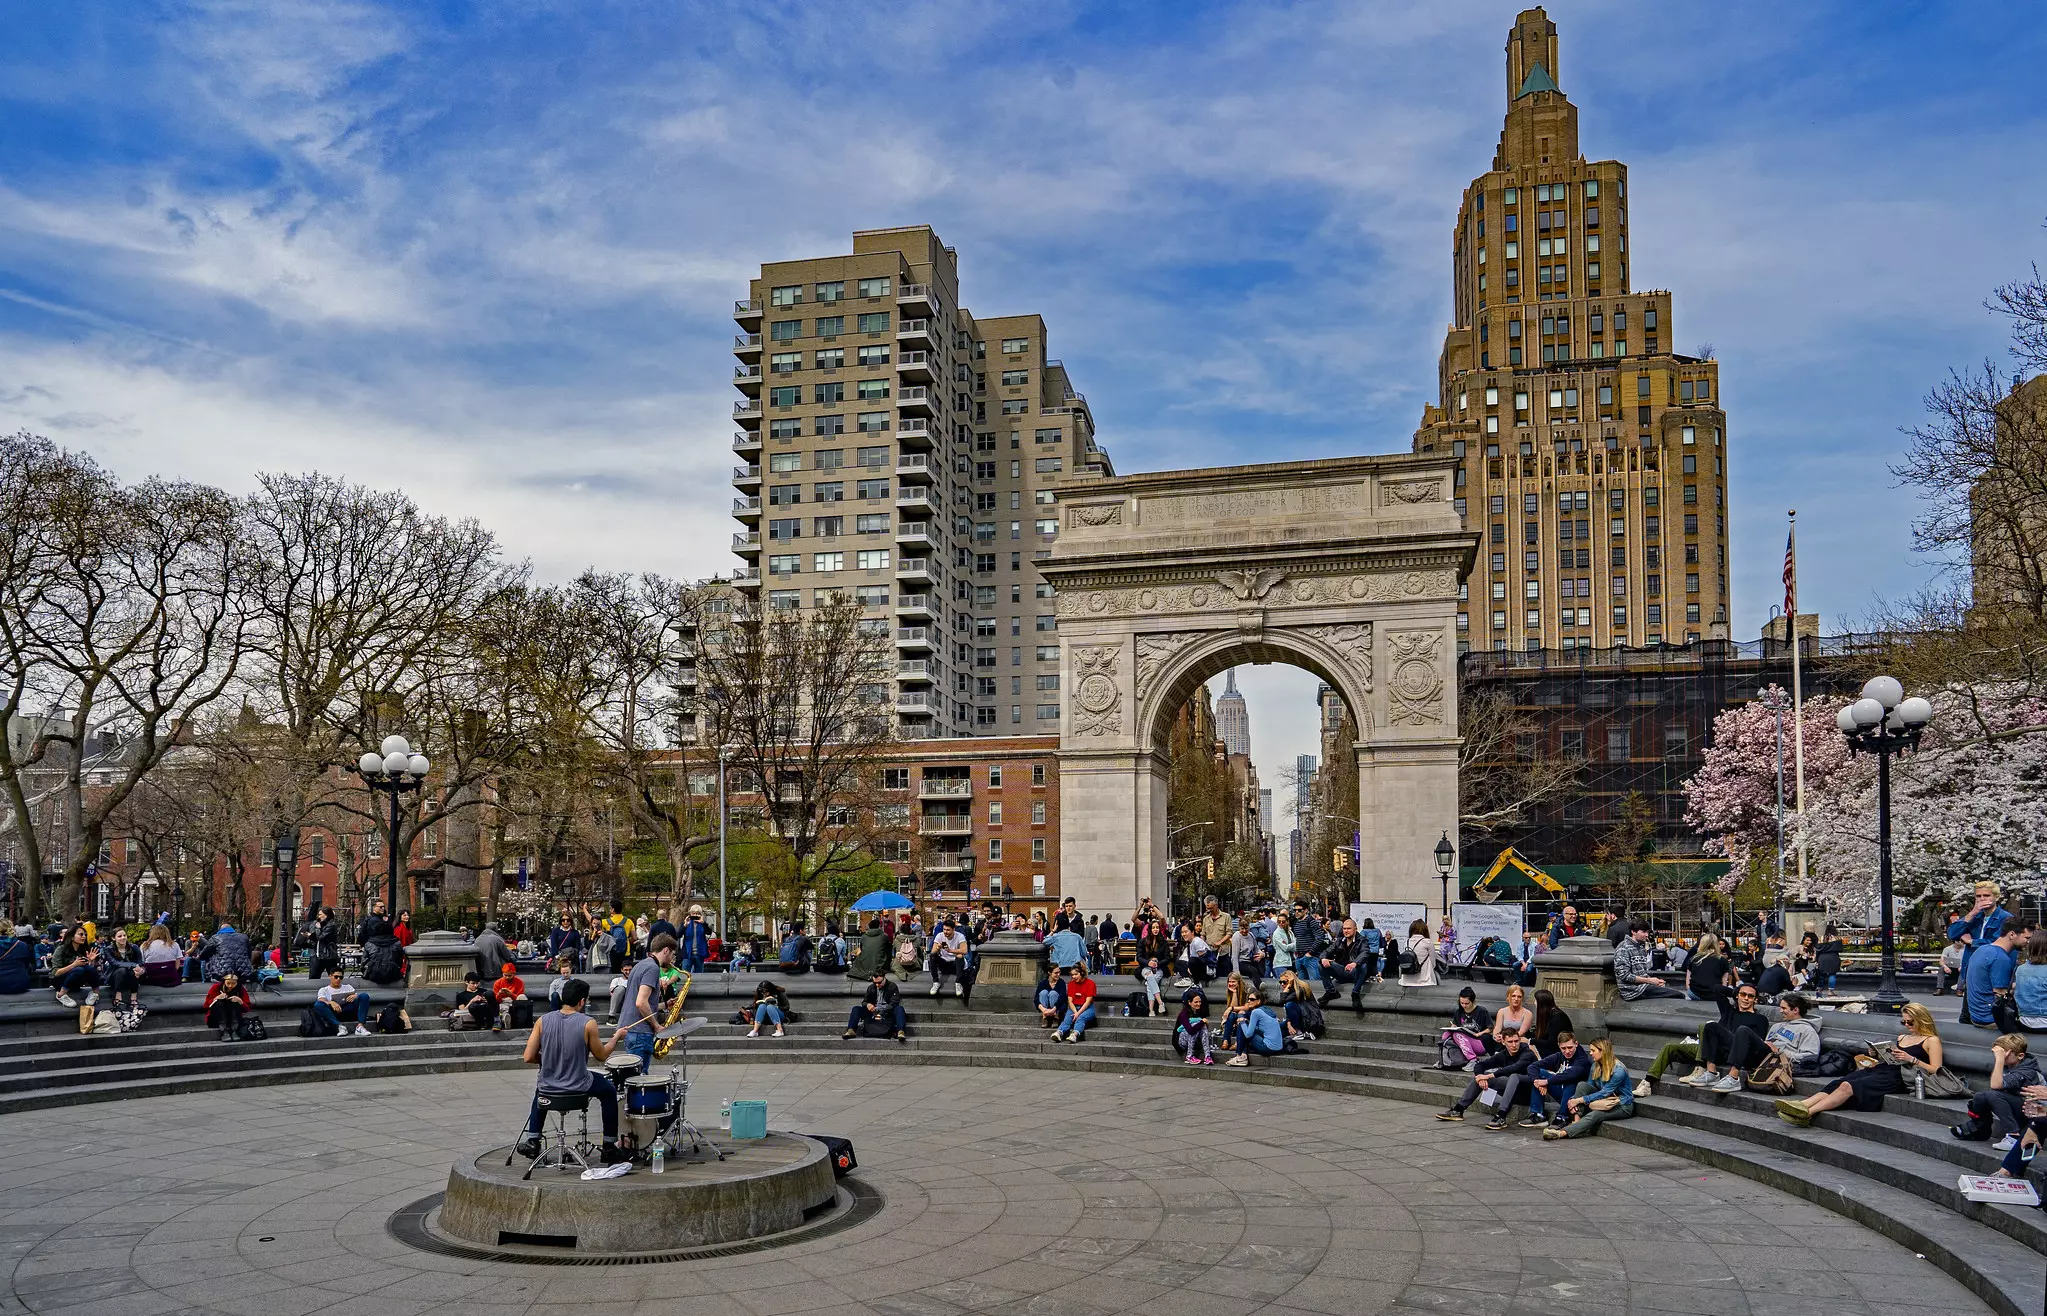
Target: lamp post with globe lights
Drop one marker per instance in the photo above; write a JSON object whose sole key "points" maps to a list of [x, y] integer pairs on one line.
{"points": [[393, 769], [1884, 722]]}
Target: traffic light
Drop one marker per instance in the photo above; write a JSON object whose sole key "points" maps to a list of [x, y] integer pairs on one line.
{"points": [[1339, 858]]}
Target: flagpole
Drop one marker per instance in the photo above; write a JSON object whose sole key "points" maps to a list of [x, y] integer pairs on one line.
{"points": [[1797, 694]]}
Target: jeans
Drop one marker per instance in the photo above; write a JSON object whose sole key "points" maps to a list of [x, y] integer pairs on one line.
{"points": [[601, 1091], [1590, 1121], [1294, 1015], [1076, 1021], [767, 1012], [693, 964], [1336, 973], [361, 1011], [1736, 1048], [2004, 1110], [76, 977], [893, 1013], [1560, 1092], [1685, 1050], [1252, 1044], [640, 1042], [1652, 992]]}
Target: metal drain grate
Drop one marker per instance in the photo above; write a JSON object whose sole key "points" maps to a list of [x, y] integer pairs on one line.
{"points": [[855, 1203]]}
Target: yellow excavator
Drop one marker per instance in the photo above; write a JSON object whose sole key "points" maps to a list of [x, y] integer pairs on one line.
{"points": [[1484, 892]]}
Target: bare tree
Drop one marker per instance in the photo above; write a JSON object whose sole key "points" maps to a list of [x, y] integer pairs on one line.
{"points": [[363, 603], [1621, 859], [802, 697], [1504, 775]]}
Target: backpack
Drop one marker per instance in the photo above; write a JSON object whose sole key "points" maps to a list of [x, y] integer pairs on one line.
{"points": [[391, 1019], [877, 1026], [1137, 1005], [1312, 1021], [1772, 1074], [1827, 1064], [252, 1029], [1410, 964], [312, 1025]]}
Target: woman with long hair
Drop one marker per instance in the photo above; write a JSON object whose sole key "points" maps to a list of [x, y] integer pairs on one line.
{"points": [[1606, 1094], [1549, 1021], [1918, 1047], [1239, 1000], [1282, 942], [1424, 952], [1514, 1016]]}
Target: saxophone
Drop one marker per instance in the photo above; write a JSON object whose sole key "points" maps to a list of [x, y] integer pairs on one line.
{"points": [[664, 1044]]}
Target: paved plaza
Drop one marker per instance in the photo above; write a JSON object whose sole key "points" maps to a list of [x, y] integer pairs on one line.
{"points": [[1007, 1192]]}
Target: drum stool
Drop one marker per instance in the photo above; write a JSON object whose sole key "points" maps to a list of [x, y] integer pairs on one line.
{"points": [[556, 1151]]}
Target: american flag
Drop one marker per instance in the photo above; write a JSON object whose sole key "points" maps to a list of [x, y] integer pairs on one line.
{"points": [[1791, 577]]}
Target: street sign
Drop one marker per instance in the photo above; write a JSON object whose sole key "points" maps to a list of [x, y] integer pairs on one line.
{"points": [[522, 874]]}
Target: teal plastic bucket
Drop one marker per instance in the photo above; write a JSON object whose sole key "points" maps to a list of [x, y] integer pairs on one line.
{"points": [[749, 1119]]}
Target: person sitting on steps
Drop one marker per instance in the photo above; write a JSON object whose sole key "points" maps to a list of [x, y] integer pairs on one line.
{"points": [[563, 1043], [883, 1001], [227, 1001], [1080, 1005], [1491, 1073], [1346, 961], [337, 999], [948, 956], [1919, 1046]]}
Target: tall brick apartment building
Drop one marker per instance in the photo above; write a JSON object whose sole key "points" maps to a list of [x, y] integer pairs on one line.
{"points": [[1595, 454]]}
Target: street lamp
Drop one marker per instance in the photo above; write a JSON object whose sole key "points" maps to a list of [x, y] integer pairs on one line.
{"points": [[1446, 855], [724, 752], [1773, 699], [1883, 722], [393, 768], [286, 848]]}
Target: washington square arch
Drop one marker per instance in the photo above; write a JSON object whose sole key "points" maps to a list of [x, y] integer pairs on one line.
{"points": [[1346, 567]]}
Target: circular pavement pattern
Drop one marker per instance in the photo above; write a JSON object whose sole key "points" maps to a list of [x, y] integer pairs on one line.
{"points": [[1007, 1191]]}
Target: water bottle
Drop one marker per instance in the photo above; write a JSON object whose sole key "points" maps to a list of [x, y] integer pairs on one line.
{"points": [[725, 1114], [1919, 1085], [660, 1159]]}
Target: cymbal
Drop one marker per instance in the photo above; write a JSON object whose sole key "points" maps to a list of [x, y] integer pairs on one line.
{"points": [[684, 1027]]}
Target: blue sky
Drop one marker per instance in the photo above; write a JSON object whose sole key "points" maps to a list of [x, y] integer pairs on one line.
{"points": [[487, 250]]}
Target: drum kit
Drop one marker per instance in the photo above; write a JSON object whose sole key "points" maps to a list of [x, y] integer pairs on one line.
{"points": [[652, 1105]]}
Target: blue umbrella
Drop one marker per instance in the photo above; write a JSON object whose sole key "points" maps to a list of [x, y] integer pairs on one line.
{"points": [[876, 901]]}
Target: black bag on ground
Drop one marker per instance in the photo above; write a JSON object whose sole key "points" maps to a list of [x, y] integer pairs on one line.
{"points": [[391, 1019], [876, 1026], [312, 1025], [1312, 1022], [522, 1014], [252, 1029], [1137, 1005], [1827, 1064]]}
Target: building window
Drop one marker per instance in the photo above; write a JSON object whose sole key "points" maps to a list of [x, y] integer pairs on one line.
{"points": [[1010, 346], [872, 355], [872, 422], [828, 562], [831, 358], [872, 559], [828, 425], [831, 491], [787, 396], [1016, 407], [1617, 746], [874, 287], [872, 322], [784, 564], [784, 600]]}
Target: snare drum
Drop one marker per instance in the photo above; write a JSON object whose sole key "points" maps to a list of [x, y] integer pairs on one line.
{"points": [[622, 1067], [646, 1095]]}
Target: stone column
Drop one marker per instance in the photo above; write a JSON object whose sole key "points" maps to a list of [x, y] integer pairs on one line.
{"points": [[437, 962], [1579, 973], [1009, 963]]}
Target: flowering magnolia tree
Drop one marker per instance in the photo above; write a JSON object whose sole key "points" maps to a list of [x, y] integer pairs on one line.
{"points": [[1968, 806], [1733, 797]]}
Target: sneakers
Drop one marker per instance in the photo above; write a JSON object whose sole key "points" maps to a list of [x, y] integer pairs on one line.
{"points": [[1700, 1078], [1193, 1060], [755, 1033], [1731, 1083], [362, 1030], [65, 999], [780, 1033], [1535, 1122], [1643, 1089], [1238, 1062], [1073, 1038], [92, 997], [1183, 982], [1208, 1060], [848, 1035], [341, 1034], [1455, 1113], [902, 1037], [2004, 1144], [1059, 1036], [1496, 1123], [934, 986], [1553, 1133], [959, 991], [1970, 1132]]}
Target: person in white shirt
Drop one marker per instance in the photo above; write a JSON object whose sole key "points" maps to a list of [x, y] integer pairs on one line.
{"points": [[948, 956], [337, 1000]]}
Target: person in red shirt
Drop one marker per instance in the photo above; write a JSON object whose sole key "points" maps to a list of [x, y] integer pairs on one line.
{"points": [[1080, 1004], [508, 988]]}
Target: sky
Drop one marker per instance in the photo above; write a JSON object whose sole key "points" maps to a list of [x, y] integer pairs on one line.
{"points": [[487, 251]]}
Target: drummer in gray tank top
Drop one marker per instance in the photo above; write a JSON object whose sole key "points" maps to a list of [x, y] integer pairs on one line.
{"points": [[563, 1043]]}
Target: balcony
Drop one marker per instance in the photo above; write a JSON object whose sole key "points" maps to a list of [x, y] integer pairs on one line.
{"points": [[747, 476], [914, 607], [747, 347], [746, 444], [945, 826], [915, 365], [951, 861], [913, 637], [747, 379], [921, 729], [914, 571], [747, 543], [916, 703], [916, 399], [917, 333], [945, 788], [916, 466], [914, 534], [749, 316], [912, 500], [748, 413], [747, 509], [915, 671], [747, 577], [913, 433], [917, 298]]}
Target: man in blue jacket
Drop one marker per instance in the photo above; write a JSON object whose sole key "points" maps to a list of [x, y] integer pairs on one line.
{"points": [[1979, 927], [695, 940], [1553, 1078]]}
